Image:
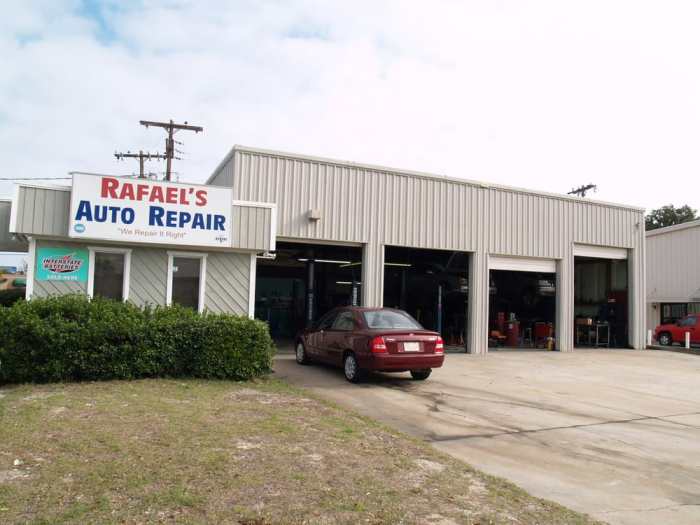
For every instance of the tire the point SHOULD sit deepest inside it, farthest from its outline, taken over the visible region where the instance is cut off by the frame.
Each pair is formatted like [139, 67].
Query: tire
[665, 339]
[351, 369]
[421, 375]
[300, 353]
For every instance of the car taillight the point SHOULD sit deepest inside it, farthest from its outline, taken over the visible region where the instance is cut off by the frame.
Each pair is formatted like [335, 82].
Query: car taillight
[378, 345]
[439, 346]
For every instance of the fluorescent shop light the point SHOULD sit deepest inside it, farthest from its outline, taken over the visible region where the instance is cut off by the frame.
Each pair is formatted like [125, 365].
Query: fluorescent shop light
[329, 261]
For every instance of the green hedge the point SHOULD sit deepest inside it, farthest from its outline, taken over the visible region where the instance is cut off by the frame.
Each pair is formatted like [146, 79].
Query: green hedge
[69, 338]
[11, 296]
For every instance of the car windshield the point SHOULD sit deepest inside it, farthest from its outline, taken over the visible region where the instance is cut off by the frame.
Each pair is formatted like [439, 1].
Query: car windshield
[389, 319]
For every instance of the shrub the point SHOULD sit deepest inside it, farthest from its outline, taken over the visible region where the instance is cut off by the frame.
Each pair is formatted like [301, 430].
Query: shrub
[70, 338]
[11, 296]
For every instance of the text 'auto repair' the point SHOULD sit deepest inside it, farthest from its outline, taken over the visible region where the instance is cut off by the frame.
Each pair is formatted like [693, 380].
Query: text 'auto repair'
[157, 215]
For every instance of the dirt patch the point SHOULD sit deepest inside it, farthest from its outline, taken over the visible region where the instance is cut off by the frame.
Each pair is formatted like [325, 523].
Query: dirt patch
[13, 475]
[215, 451]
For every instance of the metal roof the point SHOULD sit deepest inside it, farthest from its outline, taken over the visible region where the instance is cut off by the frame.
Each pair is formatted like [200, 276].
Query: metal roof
[411, 173]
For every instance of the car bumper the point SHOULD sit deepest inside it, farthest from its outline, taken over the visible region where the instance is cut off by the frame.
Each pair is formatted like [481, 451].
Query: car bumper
[402, 362]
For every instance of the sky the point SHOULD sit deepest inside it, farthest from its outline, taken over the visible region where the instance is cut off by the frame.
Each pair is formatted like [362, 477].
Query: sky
[547, 95]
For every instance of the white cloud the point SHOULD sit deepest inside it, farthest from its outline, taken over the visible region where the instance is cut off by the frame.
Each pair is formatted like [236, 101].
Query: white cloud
[547, 95]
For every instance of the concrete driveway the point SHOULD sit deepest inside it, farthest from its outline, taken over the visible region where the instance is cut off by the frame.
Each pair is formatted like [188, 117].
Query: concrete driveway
[613, 433]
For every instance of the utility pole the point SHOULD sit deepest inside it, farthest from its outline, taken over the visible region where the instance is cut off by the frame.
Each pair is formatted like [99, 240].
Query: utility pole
[171, 129]
[582, 190]
[142, 158]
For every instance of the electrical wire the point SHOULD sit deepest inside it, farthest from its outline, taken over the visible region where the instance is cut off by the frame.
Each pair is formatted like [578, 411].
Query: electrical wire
[69, 178]
[34, 178]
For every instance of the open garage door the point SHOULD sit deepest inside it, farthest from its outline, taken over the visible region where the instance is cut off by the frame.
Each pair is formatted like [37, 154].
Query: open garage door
[302, 282]
[522, 302]
[601, 298]
[431, 285]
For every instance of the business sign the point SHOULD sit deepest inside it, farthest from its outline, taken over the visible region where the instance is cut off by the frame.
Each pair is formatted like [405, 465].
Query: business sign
[62, 264]
[140, 210]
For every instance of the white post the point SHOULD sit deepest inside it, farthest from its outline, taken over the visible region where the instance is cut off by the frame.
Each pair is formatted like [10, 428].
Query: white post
[31, 265]
[687, 339]
[649, 337]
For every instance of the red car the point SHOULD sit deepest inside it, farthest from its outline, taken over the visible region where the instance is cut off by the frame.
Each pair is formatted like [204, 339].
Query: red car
[364, 339]
[667, 334]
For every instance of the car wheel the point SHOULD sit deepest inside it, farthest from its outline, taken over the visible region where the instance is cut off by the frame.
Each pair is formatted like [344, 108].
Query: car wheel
[301, 356]
[665, 339]
[421, 375]
[353, 372]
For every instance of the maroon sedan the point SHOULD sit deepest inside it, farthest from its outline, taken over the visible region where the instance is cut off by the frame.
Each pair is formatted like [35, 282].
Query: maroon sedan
[364, 339]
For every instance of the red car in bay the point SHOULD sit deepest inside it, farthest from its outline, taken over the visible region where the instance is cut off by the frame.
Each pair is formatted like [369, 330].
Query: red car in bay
[371, 339]
[667, 334]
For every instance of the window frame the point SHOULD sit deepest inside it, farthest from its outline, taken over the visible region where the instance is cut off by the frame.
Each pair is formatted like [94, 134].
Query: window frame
[202, 276]
[126, 279]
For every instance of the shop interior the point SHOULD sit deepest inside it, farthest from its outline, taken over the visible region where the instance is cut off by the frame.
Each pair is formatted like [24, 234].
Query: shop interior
[431, 285]
[304, 281]
[600, 302]
[522, 309]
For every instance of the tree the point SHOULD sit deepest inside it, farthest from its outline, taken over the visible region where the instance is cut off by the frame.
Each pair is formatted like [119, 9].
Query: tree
[668, 216]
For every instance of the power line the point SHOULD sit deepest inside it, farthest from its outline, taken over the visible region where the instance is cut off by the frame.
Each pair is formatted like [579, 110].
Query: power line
[142, 158]
[34, 178]
[171, 128]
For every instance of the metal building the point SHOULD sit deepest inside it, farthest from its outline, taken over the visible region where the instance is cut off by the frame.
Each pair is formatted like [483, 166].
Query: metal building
[581, 263]
[484, 265]
[673, 273]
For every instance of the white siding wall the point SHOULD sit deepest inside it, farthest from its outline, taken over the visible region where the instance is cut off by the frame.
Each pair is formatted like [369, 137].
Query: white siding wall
[227, 281]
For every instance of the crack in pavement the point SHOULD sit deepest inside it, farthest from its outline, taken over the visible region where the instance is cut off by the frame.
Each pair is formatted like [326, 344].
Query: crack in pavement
[580, 425]
[653, 509]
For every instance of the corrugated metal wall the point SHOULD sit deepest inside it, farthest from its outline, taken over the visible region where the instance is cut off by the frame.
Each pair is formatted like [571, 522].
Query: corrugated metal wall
[673, 255]
[46, 212]
[251, 227]
[377, 207]
[43, 211]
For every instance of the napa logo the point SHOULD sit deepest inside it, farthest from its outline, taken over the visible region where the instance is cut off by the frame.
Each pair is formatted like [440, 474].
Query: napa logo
[79, 228]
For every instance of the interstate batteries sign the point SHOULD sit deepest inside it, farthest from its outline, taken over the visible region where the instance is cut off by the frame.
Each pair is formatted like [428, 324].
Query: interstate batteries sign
[62, 264]
[140, 210]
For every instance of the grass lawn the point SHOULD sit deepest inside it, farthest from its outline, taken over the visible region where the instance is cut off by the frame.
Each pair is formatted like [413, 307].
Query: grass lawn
[220, 452]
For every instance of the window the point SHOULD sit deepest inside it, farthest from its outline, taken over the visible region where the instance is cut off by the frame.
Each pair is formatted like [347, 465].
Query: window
[326, 321]
[109, 273]
[187, 279]
[672, 312]
[390, 319]
[345, 321]
[688, 321]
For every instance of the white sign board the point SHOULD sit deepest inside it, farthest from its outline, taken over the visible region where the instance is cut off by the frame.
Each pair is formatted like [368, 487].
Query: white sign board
[145, 211]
